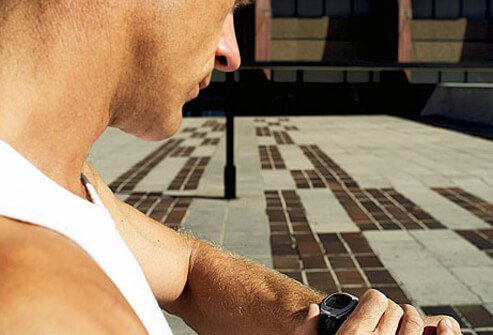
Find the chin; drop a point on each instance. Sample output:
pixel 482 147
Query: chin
pixel 160 131
pixel 154 125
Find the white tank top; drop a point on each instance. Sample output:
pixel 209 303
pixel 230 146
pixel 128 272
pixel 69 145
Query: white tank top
pixel 28 195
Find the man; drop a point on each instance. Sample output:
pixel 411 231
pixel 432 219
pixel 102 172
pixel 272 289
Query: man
pixel 69 69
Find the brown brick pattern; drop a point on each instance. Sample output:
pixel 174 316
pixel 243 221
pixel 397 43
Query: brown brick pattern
pixel 327 262
pixel 282 137
pixel 369 209
pixel 199 134
pixel 189 176
pixel 185 151
pixel 482 239
pixel 333 174
pixel 270 158
pixel 262 131
pixel 215 125
pixel 473 319
pixel 475 205
pixel 128 180
pixel 210 141
pixel 307 179
pixel 169 211
pixel 357 267
pixel 345 261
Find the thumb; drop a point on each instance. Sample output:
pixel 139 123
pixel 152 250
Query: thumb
pixel 310 324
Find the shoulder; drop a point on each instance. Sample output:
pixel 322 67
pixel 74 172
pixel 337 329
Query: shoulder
pixel 50 285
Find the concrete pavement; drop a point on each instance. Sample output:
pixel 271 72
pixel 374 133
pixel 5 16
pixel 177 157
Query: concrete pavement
pixel 339 203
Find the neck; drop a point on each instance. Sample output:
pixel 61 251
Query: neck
pixel 56 92
pixel 56 138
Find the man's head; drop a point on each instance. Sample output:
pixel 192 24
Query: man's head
pixel 131 64
pixel 174 47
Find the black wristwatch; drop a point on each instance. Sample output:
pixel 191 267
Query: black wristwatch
pixel 334 310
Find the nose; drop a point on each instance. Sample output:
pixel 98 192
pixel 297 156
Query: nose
pixel 228 57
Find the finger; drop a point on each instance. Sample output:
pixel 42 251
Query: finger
pixel 411 322
pixel 313 312
pixel 366 316
pixel 310 324
pixel 446 327
pixel 389 322
pixel 431 323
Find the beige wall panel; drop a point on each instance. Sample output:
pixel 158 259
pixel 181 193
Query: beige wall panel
pixel 345 29
pixel 454 30
pixel 312 50
pixel 294 28
pixel 437 51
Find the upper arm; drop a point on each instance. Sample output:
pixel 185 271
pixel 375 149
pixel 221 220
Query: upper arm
pixel 163 253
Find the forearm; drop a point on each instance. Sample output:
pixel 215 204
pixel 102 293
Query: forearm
pixel 227 294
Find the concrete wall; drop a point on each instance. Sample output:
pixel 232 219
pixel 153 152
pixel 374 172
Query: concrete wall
pixel 330 39
pixel 471 102
pixel 455 40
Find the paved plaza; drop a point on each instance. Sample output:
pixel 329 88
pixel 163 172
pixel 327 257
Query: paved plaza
pixel 338 203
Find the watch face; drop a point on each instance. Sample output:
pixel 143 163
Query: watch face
pixel 338 301
pixel 334 309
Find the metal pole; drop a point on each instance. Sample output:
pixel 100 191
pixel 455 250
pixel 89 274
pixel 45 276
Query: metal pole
pixel 230 168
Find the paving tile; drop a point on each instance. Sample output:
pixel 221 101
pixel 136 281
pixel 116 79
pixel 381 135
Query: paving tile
pixel 369 262
pixel 440 208
pixel 379 277
pixel 294 158
pixel 296 275
pixel 178 326
pixel 478 279
pixel 342 262
pixel 349 277
pixel 468 201
pixel 313 262
pixel 476 315
pixel 391 164
pixel 433 286
pixel 395 293
pixel 356 291
pixel 128 180
pixel 273 180
pixel 444 310
pixel 322 281
pixel 324 212
pixel 332 244
pixel 454 251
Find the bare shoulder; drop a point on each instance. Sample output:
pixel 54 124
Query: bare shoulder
pixel 50 285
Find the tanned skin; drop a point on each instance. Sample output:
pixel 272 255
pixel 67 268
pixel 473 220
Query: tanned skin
pixel 69 70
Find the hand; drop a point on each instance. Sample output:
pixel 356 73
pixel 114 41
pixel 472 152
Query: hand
pixel 375 314
pixel 310 324
pixel 440 325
